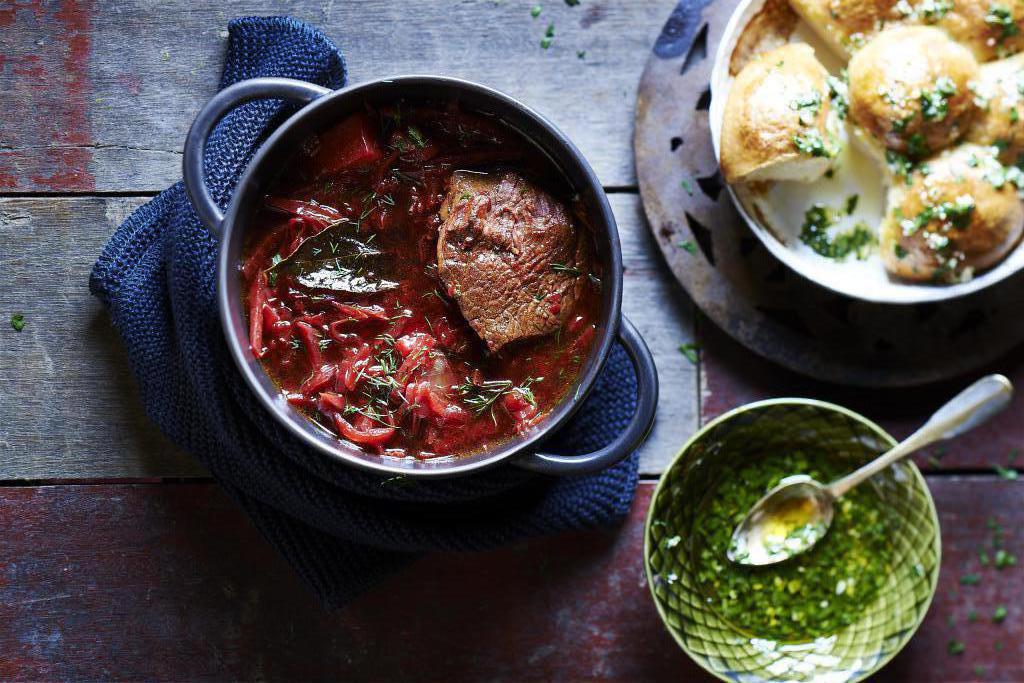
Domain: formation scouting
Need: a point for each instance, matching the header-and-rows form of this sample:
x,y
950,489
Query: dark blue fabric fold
x,y
340,528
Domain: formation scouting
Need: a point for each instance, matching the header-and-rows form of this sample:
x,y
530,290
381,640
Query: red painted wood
x,y
731,376
44,74
171,582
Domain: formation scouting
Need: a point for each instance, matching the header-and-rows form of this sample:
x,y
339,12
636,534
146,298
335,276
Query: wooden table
x,y
118,556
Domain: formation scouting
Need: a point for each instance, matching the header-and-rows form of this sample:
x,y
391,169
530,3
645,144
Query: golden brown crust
x,y
910,89
780,95
991,30
770,28
847,24
1001,120
958,215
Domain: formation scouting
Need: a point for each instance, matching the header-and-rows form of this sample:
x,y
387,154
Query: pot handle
x,y
212,112
634,433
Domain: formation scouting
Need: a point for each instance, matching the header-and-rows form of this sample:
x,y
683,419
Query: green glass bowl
x,y
853,653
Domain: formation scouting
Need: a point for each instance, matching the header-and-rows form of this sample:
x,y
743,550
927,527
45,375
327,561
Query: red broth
x,y
396,370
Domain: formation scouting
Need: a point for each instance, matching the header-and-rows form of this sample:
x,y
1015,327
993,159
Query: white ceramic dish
x,y
776,214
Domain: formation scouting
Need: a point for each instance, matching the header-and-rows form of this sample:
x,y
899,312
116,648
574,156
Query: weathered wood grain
x,y
732,376
69,407
161,582
124,79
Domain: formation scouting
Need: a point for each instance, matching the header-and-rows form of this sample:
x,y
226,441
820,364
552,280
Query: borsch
x,y
420,281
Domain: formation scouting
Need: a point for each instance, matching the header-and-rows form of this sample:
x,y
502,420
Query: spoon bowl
x,y
786,521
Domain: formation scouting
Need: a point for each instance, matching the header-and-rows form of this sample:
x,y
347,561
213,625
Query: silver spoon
x,y
796,514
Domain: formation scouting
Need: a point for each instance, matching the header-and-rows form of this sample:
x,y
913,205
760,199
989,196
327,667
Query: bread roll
x,y
959,213
910,89
1000,122
777,122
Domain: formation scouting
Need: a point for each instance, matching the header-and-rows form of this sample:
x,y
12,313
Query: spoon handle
x,y
965,411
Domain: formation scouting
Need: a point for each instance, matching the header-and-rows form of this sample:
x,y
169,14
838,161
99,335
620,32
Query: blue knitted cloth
x,y
340,528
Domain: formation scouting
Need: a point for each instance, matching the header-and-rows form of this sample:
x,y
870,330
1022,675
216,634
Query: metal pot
x,y
324,107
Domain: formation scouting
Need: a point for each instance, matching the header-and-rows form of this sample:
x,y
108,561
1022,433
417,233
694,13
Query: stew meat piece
x,y
509,256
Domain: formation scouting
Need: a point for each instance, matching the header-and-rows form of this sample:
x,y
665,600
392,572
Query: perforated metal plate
x,y
746,291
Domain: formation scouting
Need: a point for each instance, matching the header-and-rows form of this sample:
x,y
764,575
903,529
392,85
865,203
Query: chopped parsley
x,y
18,322
858,240
933,11
851,204
1000,16
549,35
807,106
916,145
899,165
690,352
955,647
535,11
581,54
811,143
999,614
687,186
688,246
935,102
839,94
1007,473
970,580
956,213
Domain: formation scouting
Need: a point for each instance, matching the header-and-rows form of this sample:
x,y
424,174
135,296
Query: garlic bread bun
x,y
958,214
990,29
777,123
910,89
845,25
1000,121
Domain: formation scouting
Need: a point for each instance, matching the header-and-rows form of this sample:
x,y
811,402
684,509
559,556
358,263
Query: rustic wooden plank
x,y
731,376
68,358
171,582
115,111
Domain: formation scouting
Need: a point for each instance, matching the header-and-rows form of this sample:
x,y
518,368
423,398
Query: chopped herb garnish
x,y
999,614
481,397
535,11
581,54
687,186
688,246
916,146
933,11
1004,559
899,165
549,35
807,105
1001,16
18,322
935,102
572,3
811,143
955,647
902,253
568,270
1007,473
970,580
417,137
690,351
815,233
839,94
851,204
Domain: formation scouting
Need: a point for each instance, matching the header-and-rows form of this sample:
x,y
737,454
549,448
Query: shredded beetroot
x,y
397,371
312,343
374,436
